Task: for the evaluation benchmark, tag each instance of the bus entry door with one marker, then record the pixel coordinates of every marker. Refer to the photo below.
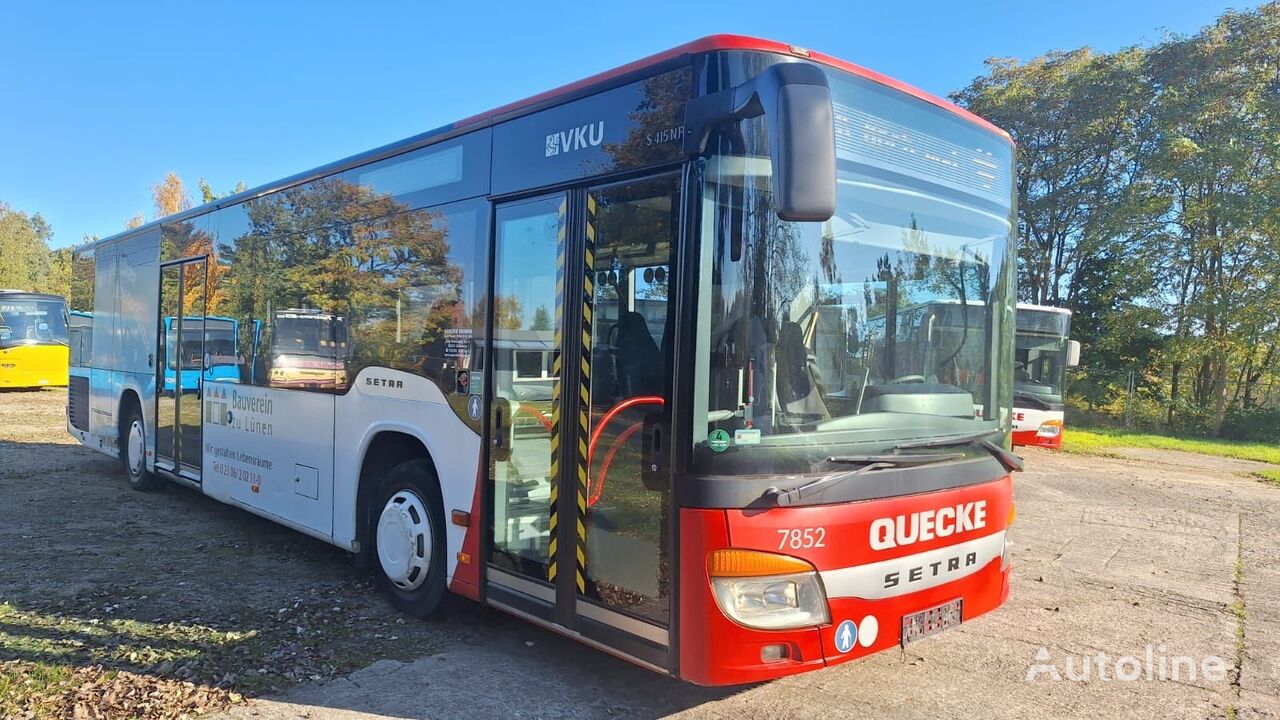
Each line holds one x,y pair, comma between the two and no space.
179,370
580,383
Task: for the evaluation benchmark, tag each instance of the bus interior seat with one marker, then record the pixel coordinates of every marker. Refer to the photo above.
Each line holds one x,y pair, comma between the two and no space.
798,386
636,356
604,374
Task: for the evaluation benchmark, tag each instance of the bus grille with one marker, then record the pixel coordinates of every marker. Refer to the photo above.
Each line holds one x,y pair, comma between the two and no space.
78,402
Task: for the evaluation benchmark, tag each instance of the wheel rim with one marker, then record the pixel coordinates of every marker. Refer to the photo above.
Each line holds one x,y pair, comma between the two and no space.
134,448
404,540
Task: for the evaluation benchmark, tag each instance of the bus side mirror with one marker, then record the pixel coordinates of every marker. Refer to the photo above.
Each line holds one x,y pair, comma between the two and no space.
1073,353
795,100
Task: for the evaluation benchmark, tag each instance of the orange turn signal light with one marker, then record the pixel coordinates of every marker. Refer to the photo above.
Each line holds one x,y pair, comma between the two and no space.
461,518
731,562
1013,514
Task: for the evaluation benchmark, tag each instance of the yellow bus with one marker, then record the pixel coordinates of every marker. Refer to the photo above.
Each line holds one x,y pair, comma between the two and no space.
33,340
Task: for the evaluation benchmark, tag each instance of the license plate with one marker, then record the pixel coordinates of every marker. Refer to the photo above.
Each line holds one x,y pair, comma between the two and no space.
922,624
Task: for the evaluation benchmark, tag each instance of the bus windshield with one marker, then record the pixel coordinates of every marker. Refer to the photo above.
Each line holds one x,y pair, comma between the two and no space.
220,342
1040,357
32,321
886,324
319,334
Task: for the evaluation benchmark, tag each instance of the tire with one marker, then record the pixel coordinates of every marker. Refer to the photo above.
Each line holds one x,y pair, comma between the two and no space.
133,448
406,536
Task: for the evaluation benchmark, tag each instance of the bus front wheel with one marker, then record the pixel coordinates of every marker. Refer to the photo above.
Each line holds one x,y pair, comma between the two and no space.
406,534
133,451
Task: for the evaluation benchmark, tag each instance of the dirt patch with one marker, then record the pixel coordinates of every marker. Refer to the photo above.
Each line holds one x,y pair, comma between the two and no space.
121,604
156,605
1209,465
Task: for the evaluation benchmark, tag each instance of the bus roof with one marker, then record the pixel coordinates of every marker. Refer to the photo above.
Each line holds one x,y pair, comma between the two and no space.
1044,308
22,294
565,93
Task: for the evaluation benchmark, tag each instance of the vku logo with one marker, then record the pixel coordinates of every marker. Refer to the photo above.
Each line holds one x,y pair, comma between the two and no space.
579,138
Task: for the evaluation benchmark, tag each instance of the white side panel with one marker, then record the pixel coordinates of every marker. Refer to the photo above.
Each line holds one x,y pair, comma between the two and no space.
392,400
103,384
1025,419
138,291
256,440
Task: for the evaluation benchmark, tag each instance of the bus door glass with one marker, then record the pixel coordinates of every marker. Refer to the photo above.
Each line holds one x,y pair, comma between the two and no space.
580,387
631,234
524,420
179,381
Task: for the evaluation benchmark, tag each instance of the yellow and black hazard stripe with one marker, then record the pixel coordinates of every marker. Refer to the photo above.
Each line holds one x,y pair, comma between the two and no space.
584,390
553,519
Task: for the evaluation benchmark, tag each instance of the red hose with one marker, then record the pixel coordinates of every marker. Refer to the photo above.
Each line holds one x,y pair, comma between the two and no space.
608,460
595,438
530,411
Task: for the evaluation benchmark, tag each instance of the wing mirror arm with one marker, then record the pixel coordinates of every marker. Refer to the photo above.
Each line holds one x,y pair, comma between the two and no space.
795,100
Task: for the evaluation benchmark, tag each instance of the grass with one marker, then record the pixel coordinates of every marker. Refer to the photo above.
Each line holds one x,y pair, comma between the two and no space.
59,637
1108,442
56,663
50,663
1271,477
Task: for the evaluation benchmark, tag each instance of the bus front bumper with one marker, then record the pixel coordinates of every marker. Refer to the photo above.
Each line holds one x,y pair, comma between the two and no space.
33,366
865,616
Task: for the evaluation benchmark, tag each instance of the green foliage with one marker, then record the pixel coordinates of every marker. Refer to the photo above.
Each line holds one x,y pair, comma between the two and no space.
1110,442
1271,477
1256,424
541,319
25,262
1148,186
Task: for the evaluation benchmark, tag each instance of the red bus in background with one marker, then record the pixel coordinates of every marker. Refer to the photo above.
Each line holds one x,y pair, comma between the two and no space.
1043,352
634,360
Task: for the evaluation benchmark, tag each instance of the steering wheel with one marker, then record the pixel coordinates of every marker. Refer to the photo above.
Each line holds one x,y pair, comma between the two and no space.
902,379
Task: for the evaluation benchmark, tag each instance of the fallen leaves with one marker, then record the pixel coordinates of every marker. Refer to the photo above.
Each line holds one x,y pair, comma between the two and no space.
96,692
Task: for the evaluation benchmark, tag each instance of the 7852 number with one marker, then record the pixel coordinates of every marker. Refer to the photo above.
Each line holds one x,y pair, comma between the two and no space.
802,538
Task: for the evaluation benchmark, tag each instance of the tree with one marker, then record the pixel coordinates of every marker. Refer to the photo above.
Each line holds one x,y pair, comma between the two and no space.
541,319
1215,159
24,250
170,196
508,313
1148,185
58,281
1073,116
207,194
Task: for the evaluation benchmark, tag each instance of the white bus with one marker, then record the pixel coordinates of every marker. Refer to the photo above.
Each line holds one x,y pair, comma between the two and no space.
1043,350
556,358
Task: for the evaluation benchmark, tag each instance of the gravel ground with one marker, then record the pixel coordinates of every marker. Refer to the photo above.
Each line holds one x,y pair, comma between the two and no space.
154,605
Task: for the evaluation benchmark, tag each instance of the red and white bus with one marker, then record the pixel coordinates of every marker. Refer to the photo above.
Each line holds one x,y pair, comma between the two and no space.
1043,350
621,359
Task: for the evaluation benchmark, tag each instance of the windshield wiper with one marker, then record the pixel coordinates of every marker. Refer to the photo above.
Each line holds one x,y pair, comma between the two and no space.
1011,462
794,495
895,459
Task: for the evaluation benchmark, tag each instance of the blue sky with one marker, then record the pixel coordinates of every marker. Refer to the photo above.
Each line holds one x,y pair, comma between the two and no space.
102,99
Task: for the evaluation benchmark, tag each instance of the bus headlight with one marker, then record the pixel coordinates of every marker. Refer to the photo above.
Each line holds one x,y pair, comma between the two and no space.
1050,428
767,591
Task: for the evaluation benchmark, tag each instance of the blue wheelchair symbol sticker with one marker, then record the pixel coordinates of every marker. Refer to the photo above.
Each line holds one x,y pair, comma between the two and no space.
846,636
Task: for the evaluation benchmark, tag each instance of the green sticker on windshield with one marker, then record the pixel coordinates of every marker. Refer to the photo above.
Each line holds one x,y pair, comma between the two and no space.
718,441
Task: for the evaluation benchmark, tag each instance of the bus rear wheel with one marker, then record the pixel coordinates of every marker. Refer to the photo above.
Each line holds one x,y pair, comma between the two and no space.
133,451
405,533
